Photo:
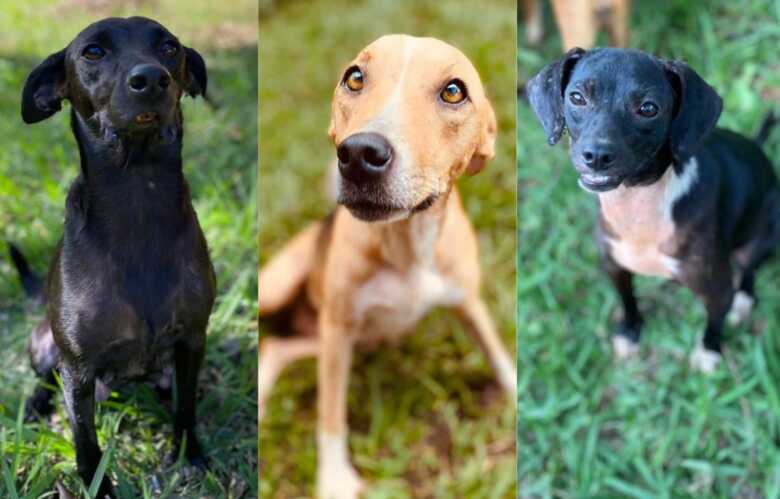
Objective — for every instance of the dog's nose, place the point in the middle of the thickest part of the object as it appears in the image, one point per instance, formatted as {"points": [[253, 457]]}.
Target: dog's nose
{"points": [[598, 157], [364, 157], [148, 80]]}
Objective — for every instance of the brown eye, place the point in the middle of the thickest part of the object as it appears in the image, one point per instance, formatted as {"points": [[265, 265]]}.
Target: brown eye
{"points": [[577, 99], [169, 49], [353, 79], [648, 110], [454, 92], [93, 52]]}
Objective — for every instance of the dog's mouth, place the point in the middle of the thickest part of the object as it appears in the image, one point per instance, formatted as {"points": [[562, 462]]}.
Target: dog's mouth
{"points": [[373, 211], [595, 182], [369, 211], [147, 119]]}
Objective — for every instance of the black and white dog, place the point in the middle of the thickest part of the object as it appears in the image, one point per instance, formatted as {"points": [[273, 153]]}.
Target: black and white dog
{"points": [[678, 197]]}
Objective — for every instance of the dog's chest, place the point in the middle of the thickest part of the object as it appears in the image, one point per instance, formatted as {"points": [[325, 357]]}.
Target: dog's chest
{"points": [[640, 230], [129, 320], [390, 303]]}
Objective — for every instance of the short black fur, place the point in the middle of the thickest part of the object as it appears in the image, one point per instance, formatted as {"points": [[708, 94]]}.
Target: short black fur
{"points": [[631, 117], [131, 286]]}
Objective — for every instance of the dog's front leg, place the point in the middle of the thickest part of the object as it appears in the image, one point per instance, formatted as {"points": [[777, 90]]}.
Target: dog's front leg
{"points": [[188, 359], [625, 341], [79, 393], [475, 316], [714, 286], [336, 478]]}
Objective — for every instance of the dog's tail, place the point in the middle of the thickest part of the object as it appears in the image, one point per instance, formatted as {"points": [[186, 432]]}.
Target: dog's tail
{"points": [[32, 283], [770, 120], [283, 277]]}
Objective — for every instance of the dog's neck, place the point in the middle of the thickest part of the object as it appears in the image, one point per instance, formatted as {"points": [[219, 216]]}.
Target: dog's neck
{"points": [[412, 241], [130, 182], [644, 207]]}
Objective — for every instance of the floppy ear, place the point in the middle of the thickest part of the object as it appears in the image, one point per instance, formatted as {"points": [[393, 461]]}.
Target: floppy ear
{"points": [[44, 89], [197, 79], [697, 108], [486, 149], [545, 94]]}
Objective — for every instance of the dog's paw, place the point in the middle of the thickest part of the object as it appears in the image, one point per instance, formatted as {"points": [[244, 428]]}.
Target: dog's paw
{"points": [[623, 348], [37, 413], [336, 478], [198, 462], [704, 360], [507, 375], [339, 482], [741, 307], [194, 460]]}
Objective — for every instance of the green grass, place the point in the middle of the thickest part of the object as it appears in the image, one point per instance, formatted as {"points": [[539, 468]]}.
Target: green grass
{"points": [[37, 163], [652, 428], [426, 418]]}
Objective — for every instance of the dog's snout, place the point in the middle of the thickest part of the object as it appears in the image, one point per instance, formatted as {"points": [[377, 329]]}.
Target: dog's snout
{"points": [[364, 157], [598, 157], [148, 80]]}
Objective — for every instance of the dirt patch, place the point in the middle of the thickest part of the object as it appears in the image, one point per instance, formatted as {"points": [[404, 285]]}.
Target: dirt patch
{"points": [[228, 35], [105, 7]]}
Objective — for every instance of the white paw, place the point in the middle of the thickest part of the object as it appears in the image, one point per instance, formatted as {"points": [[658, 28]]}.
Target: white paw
{"points": [[336, 478], [507, 375], [338, 482], [703, 360], [623, 348], [741, 307]]}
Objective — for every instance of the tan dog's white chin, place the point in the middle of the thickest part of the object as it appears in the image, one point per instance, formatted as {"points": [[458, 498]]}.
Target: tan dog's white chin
{"points": [[368, 211], [371, 203]]}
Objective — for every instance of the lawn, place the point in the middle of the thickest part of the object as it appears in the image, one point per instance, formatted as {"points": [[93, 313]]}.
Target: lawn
{"points": [[652, 428], [37, 163], [426, 418]]}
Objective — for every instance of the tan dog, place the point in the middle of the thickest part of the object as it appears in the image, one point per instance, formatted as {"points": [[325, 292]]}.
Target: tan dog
{"points": [[579, 21], [409, 117]]}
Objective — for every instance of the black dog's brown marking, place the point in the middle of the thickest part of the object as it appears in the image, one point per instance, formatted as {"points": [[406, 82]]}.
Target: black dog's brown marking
{"points": [[678, 197], [131, 284]]}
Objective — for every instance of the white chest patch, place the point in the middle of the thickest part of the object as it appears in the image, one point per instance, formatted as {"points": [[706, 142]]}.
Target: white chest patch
{"points": [[640, 224], [390, 303]]}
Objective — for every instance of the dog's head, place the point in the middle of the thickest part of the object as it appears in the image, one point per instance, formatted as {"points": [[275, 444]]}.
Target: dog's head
{"points": [[409, 116], [121, 76], [627, 113]]}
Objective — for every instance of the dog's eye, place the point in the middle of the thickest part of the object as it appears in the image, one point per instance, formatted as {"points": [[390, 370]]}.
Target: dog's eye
{"points": [[93, 52], [353, 79], [454, 92], [648, 110], [577, 99], [169, 49]]}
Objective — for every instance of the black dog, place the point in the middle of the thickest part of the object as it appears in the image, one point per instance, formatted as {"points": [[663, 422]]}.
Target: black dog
{"points": [[131, 284], [678, 198]]}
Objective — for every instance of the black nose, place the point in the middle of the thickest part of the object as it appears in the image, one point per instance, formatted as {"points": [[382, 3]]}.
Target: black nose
{"points": [[148, 80], [364, 157], [598, 157]]}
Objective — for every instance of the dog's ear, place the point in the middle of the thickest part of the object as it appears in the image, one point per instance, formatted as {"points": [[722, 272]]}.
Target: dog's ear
{"points": [[44, 89], [486, 149], [545, 93], [197, 79], [697, 108]]}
